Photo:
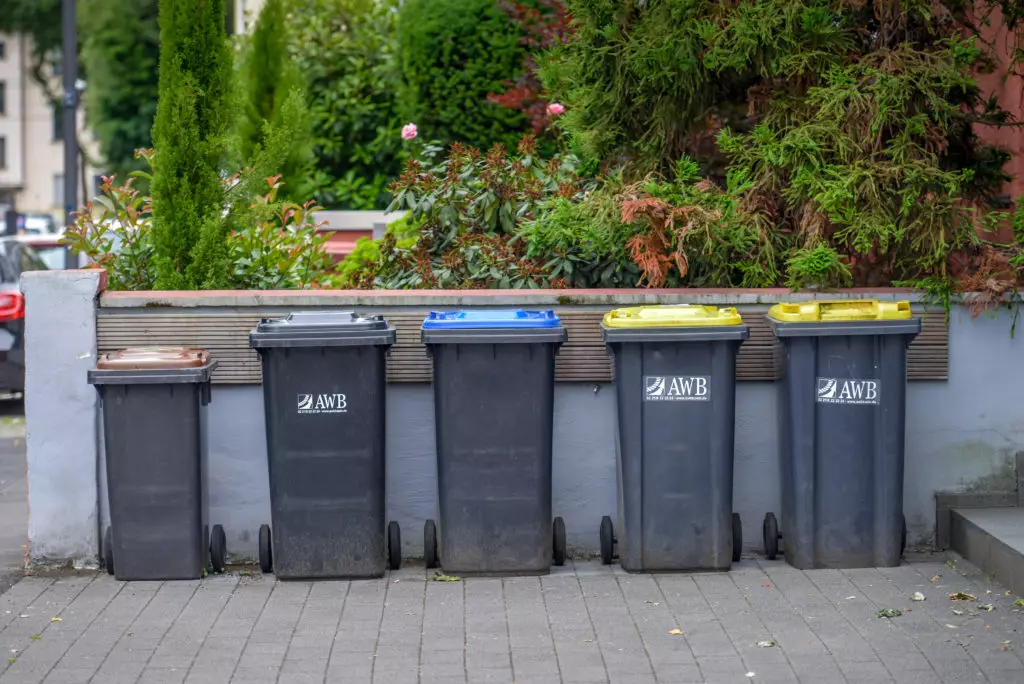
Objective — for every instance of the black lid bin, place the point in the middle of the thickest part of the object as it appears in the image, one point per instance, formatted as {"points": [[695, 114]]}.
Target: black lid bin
{"points": [[324, 388], [675, 370], [494, 374], [843, 408], [152, 400]]}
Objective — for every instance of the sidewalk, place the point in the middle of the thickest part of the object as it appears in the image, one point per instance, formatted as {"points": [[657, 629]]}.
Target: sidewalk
{"points": [[584, 623], [13, 507]]}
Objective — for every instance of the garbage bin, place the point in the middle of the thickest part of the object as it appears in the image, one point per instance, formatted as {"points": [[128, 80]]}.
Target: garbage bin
{"points": [[843, 404], [675, 371], [324, 385], [494, 374], [154, 433]]}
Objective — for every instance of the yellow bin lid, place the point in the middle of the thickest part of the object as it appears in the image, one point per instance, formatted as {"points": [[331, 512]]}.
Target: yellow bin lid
{"points": [[671, 316], [840, 311]]}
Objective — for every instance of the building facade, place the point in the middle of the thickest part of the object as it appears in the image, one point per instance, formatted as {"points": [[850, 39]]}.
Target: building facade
{"points": [[31, 138]]}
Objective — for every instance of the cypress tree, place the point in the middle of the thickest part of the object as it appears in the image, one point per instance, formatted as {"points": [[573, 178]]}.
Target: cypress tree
{"points": [[190, 136], [270, 76]]}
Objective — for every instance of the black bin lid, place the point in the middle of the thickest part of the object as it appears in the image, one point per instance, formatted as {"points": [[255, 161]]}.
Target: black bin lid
{"points": [[322, 329]]}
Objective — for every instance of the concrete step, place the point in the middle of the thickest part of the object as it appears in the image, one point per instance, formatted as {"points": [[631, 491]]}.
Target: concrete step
{"points": [[992, 539]]}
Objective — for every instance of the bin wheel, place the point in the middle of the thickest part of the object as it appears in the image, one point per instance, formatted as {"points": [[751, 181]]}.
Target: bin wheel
{"points": [[108, 551], [771, 536], [558, 541], [430, 544], [607, 540], [903, 537], [394, 545], [737, 538], [266, 551], [218, 548]]}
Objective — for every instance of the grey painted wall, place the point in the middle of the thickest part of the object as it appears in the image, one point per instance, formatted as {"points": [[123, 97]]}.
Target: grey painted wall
{"points": [[961, 434], [60, 346]]}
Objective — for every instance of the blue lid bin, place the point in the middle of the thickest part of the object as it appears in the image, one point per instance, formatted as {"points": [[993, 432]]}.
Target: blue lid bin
{"points": [[494, 375]]}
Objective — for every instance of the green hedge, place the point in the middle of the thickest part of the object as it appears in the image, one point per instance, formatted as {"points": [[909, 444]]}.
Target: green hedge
{"points": [[453, 53]]}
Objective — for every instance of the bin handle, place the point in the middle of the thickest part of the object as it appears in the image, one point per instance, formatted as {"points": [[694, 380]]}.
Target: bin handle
{"points": [[206, 393]]}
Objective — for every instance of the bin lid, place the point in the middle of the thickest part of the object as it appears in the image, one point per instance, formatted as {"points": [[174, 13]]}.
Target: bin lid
{"points": [[152, 366], [673, 323], [844, 317], [493, 326], [671, 316], [490, 319], [153, 358], [841, 311], [322, 329]]}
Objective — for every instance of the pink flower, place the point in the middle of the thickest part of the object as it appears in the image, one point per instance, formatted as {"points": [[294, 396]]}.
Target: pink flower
{"points": [[409, 131], [556, 108]]}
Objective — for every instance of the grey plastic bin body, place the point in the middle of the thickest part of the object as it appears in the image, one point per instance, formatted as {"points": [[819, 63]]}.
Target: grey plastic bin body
{"points": [[324, 388], [843, 410], [493, 405], [154, 434], [676, 452]]}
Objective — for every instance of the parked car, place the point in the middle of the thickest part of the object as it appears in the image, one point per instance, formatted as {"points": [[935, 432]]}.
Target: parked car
{"points": [[47, 247], [16, 257]]}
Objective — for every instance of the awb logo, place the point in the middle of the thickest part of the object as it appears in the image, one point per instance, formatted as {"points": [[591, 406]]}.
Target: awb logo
{"points": [[322, 403], [677, 388], [841, 391]]}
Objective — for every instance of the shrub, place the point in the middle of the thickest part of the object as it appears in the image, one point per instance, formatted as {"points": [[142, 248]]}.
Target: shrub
{"points": [[453, 53], [345, 53], [190, 135], [269, 76], [277, 247], [121, 54], [470, 208]]}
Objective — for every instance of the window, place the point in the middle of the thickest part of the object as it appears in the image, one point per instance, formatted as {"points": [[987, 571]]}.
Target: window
{"points": [[3, 152], [58, 122], [28, 260], [3, 98], [97, 183], [58, 189], [3, 50]]}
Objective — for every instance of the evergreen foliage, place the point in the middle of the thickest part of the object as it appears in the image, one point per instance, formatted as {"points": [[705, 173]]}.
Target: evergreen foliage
{"points": [[269, 76], [841, 133], [453, 54], [121, 54], [345, 51], [190, 135]]}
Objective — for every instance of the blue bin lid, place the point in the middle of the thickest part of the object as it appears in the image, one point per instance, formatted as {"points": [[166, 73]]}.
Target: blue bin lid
{"points": [[493, 319]]}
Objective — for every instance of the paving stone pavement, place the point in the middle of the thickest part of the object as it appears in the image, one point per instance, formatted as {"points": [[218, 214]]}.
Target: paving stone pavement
{"points": [[584, 623]]}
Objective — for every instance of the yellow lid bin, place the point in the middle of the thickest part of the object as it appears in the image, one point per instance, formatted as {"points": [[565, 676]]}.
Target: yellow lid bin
{"points": [[675, 316], [840, 311]]}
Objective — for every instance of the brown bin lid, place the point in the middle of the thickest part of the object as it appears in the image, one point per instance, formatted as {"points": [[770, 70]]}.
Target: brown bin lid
{"points": [[153, 358]]}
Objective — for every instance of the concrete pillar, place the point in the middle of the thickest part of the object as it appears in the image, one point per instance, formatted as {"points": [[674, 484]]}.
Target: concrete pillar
{"points": [[61, 415]]}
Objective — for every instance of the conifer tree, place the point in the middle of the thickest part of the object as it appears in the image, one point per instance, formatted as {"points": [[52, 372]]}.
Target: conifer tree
{"points": [[190, 136], [269, 78]]}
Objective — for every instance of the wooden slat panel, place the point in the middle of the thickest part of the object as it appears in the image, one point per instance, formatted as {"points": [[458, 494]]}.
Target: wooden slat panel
{"points": [[582, 359]]}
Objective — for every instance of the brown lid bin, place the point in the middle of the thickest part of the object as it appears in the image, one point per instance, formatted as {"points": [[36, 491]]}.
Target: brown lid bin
{"points": [[153, 365]]}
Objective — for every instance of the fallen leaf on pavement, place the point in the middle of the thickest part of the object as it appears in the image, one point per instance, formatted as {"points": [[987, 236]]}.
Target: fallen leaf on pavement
{"points": [[56, 619], [889, 613], [675, 632], [441, 577], [951, 626], [1019, 603], [957, 612], [987, 607], [850, 598], [962, 596], [935, 579], [918, 596], [767, 643], [750, 675], [767, 586]]}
